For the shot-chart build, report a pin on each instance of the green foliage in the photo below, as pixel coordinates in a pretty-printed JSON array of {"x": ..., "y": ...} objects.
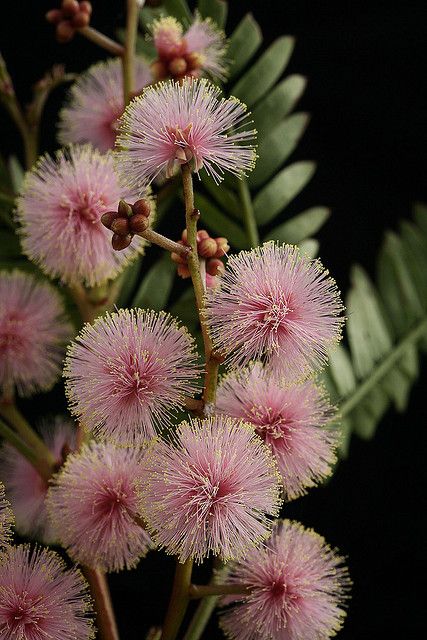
[
  {"x": 386, "y": 328},
  {"x": 156, "y": 285}
]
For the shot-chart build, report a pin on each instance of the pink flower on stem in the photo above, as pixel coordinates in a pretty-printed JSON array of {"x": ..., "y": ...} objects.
[
  {"x": 297, "y": 588},
  {"x": 171, "y": 124},
  {"x": 33, "y": 334},
  {"x": 95, "y": 104},
  {"x": 209, "y": 490},
  {"x": 199, "y": 50},
  {"x": 290, "y": 420},
  {"x": 275, "y": 304},
  {"x": 93, "y": 507},
  {"x": 40, "y": 599},
  {"x": 25, "y": 488},
  {"x": 6, "y": 519},
  {"x": 60, "y": 210},
  {"x": 129, "y": 372}
]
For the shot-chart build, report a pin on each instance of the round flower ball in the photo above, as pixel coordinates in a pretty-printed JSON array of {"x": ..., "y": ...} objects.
[
  {"x": 275, "y": 304},
  {"x": 92, "y": 505},
  {"x": 129, "y": 372},
  {"x": 60, "y": 209},
  {"x": 25, "y": 489},
  {"x": 173, "y": 123},
  {"x": 290, "y": 419},
  {"x": 296, "y": 588},
  {"x": 210, "y": 489},
  {"x": 6, "y": 519},
  {"x": 41, "y": 599},
  {"x": 95, "y": 104},
  {"x": 33, "y": 334}
]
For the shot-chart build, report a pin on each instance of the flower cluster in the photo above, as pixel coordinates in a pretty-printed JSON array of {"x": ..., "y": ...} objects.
[
  {"x": 71, "y": 16},
  {"x": 128, "y": 220},
  {"x": 210, "y": 250}
]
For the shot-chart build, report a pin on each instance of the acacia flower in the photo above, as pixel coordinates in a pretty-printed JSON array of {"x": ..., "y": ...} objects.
[
  {"x": 95, "y": 103},
  {"x": 275, "y": 304},
  {"x": 290, "y": 420},
  {"x": 41, "y": 599},
  {"x": 25, "y": 489},
  {"x": 209, "y": 490},
  {"x": 297, "y": 587},
  {"x": 33, "y": 334},
  {"x": 93, "y": 507},
  {"x": 6, "y": 519},
  {"x": 60, "y": 210},
  {"x": 171, "y": 124},
  {"x": 129, "y": 372},
  {"x": 199, "y": 50}
]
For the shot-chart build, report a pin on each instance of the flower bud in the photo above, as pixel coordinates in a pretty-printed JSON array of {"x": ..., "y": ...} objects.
[
  {"x": 178, "y": 258},
  {"x": 141, "y": 207},
  {"x": 80, "y": 20},
  {"x": 202, "y": 234},
  {"x": 207, "y": 248},
  {"x": 120, "y": 242},
  {"x": 70, "y": 8},
  {"x": 183, "y": 271},
  {"x": 124, "y": 209},
  {"x": 159, "y": 70},
  {"x": 86, "y": 7},
  {"x": 120, "y": 226},
  {"x": 54, "y": 16},
  {"x": 64, "y": 31},
  {"x": 138, "y": 223},
  {"x": 222, "y": 247},
  {"x": 177, "y": 67},
  {"x": 215, "y": 267},
  {"x": 108, "y": 217},
  {"x": 194, "y": 60}
]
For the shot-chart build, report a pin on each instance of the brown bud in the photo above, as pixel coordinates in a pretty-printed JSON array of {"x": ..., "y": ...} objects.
[
  {"x": 86, "y": 7},
  {"x": 124, "y": 209},
  {"x": 184, "y": 236},
  {"x": 64, "y": 31},
  {"x": 80, "y": 20},
  {"x": 138, "y": 223},
  {"x": 222, "y": 247},
  {"x": 120, "y": 242},
  {"x": 177, "y": 67},
  {"x": 183, "y": 271},
  {"x": 201, "y": 235},
  {"x": 108, "y": 217},
  {"x": 54, "y": 16},
  {"x": 141, "y": 208},
  {"x": 159, "y": 70},
  {"x": 178, "y": 258},
  {"x": 207, "y": 248},
  {"x": 215, "y": 267},
  {"x": 193, "y": 60},
  {"x": 70, "y": 8},
  {"x": 120, "y": 226}
]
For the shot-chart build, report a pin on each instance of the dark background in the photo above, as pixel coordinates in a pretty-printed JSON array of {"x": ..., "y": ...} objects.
[{"x": 366, "y": 67}]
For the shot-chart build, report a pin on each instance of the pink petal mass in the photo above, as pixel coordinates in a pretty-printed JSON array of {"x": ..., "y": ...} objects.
[
  {"x": 129, "y": 372},
  {"x": 297, "y": 584},
  {"x": 209, "y": 490}
]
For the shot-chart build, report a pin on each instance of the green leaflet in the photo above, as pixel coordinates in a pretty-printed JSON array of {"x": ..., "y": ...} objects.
[
  {"x": 215, "y": 9},
  {"x": 179, "y": 9},
  {"x": 219, "y": 222},
  {"x": 156, "y": 285},
  {"x": 185, "y": 309},
  {"x": 301, "y": 226},
  {"x": 310, "y": 247},
  {"x": 16, "y": 173},
  {"x": 242, "y": 45},
  {"x": 128, "y": 280},
  {"x": 225, "y": 197},
  {"x": 278, "y": 104}
]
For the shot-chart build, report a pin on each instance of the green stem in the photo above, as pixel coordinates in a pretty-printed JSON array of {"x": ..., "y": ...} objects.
[
  {"x": 248, "y": 213},
  {"x": 179, "y": 600},
  {"x": 105, "y": 620},
  {"x": 201, "y": 618},
  {"x": 398, "y": 352},
  {"x": 41, "y": 466},
  {"x": 129, "y": 50},
  {"x": 205, "y": 590},
  {"x": 102, "y": 41}
]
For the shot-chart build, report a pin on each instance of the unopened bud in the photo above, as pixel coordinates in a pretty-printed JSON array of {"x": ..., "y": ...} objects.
[
  {"x": 215, "y": 267},
  {"x": 184, "y": 236},
  {"x": 138, "y": 223},
  {"x": 178, "y": 258},
  {"x": 120, "y": 226},
  {"x": 201, "y": 235},
  {"x": 183, "y": 271},
  {"x": 80, "y": 20},
  {"x": 194, "y": 61},
  {"x": 120, "y": 242},
  {"x": 141, "y": 208},
  {"x": 54, "y": 16},
  {"x": 64, "y": 31},
  {"x": 124, "y": 209},
  {"x": 207, "y": 248},
  {"x": 70, "y": 8},
  {"x": 177, "y": 67},
  {"x": 86, "y": 7},
  {"x": 159, "y": 70},
  {"x": 108, "y": 217},
  {"x": 222, "y": 247}
]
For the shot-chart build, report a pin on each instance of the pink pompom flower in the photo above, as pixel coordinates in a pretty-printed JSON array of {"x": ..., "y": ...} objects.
[
  {"x": 275, "y": 304},
  {"x": 33, "y": 334},
  {"x": 199, "y": 50},
  {"x": 6, "y": 519},
  {"x": 95, "y": 104},
  {"x": 297, "y": 588},
  {"x": 129, "y": 372},
  {"x": 171, "y": 124},
  {"x": 290, "y": 419},
  {"x": 93, "y": 507},
  {"x": 41, "y": 599},
  {"x": 209, "y": 490},
  {"x": 60, "y": 210},
  {"x": 25, "y": 489}
]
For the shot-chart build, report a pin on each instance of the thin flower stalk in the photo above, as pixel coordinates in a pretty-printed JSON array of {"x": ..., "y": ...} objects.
[
  {"x": 102, "y": 41},
  {"x": 179, "y": 600},
  {"x": 100, "y": 592},
  {"x": 128, "y": 58}
]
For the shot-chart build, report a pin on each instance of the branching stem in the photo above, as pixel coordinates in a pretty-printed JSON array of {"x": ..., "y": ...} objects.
[
  {"x": 102, "y": 41},
  {"x": 179, "y": 600}
]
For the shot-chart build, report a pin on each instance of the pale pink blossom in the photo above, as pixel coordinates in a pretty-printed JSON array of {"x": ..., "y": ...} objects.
[
  {"x": 60, "y": 210},
  {"x": 25, "y": 489},
  {"x": 209, "y": 490},
  {"x": 33, "y": 334},
  {"x": 6, "y": 519},
  {"x": 297, "y": 586},
  {"x": 290, "y": 419},
  {"x": 95, "y": 103},
  {"x": 275, "y": 304},
  {"x": 129, "y": 372},
  {"x": 40, "y": 599},
  {"x": 93, "y": 507},
  {"x": 171, "y": 124}
]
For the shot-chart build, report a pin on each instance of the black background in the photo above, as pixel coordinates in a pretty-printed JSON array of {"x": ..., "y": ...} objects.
[{"x": 365, "y": 63}]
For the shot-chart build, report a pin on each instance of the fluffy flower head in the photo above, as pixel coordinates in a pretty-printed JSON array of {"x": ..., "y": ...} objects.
[
  {"x": 290, "y": 419},
  {"x": 128, "y": 372},
  {"x": 95, "y": 104},
  {"x": 275, "y": 304},
  {"x": 171, "y": 124},
  {"x": 93, "y": 505},
  {"x": 25, "y": 488},
  {"x": 297, "y": 584},
  {"x": 33, "y": 334},
  {"x": 40, "y": 599},
  {"x": 6, "y": 519},
  {"x": 60, "y": 209},
  {"x": 209, "y": 490}
]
